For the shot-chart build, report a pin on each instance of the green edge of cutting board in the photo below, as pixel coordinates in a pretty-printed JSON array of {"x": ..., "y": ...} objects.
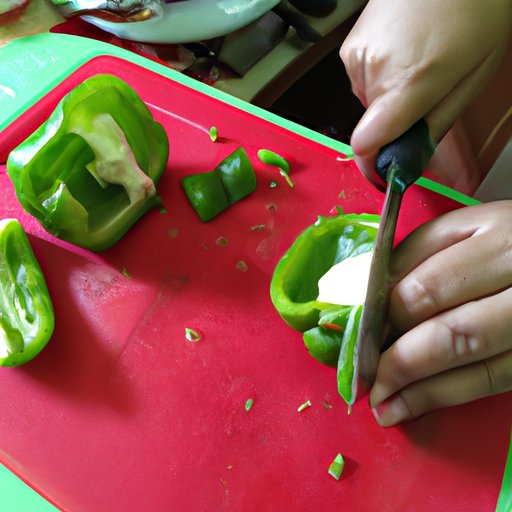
[{"x": 505, "y": 497}]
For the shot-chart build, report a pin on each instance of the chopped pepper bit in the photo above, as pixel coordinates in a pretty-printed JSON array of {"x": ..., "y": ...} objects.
[
  {"x": 125, "y": 273},
  {"x": 214, "y": 133},
  {"x": 336, "y": 467},
  {"x": 271, "y": 207},
  {"x": 248, "y": 404},
  {"x": 225, "y": 485},
  {"x": 327, "y": 405},
  {"x": 287, "y": 178},
  {"x": 258, "y": 227},
  {"x": 273, "y": 184},
  {"x": 192, "y": 335},
  {"x": 221, "y": 241},
  {"x": 331, "y": 326},
  {"x": 242, "y": 266},
  {"x": 270, "y": 158},
  {"x": 305, "y": 405}
]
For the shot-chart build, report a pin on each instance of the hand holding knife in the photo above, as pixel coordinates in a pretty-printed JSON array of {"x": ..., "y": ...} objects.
[{"x": 399, "y": 164}]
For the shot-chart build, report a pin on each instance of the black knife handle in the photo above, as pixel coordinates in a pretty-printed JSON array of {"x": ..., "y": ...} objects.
[{"x": 411, "y": 152}]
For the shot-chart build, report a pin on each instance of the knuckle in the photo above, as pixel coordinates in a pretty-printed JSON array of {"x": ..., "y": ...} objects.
[
  {"x": 345, "y": 52},
  {"x": 417, "y": 299},
  {"x": 404, "y": 369},
  {"x": 507, "y": 246},
  {"x": 462, "y": 346},
  {"x": 491, "y": 379},
  {"x": 498, "y": 374},
  {"x": 416, "y": 403},
  {"x": 349, "y": 55}
]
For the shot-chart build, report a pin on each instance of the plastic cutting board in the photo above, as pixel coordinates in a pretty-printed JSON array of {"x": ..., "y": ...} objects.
[{"x": 121, "y": 413}]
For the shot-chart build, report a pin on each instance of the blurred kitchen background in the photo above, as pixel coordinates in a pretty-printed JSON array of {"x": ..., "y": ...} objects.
[{"x": 281, "y": 55}]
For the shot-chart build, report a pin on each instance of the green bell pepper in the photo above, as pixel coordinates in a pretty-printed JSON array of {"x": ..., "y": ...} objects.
[
  {"x": 346, "y": 360},
  {"x": 26, "y": 311},
  {"x": 329, "y": 330},
  {"x": 505, "y": 498},
  {"x": 89, "y": 172},
  {"x": 210, "y": 193}
]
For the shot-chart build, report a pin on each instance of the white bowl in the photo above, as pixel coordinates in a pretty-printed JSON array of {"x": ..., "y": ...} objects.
[{"x": 189, "y": 21}]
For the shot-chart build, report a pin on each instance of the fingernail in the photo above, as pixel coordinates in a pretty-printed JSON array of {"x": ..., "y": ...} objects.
[
  {"x": 378, "y": 394},
  {"x": 391, "y": 412}
]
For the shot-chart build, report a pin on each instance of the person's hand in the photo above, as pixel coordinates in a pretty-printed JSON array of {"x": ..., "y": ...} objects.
[
  {"x": 409, "y": 59},
  {"x": 452, "y": 305}
]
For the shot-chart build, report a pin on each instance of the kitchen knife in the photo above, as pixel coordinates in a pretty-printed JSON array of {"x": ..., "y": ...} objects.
[{"x": 399, "y": 164}]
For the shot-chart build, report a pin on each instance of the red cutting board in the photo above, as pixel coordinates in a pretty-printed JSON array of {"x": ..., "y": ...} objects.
[{"x": 121, "y": 413}]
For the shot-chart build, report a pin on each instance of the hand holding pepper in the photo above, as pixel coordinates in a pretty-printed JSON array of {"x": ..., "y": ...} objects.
[{"x": 452, "y": 306}]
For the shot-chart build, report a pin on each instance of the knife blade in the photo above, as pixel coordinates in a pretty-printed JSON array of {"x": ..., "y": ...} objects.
[{"x": 399, "y": 164}]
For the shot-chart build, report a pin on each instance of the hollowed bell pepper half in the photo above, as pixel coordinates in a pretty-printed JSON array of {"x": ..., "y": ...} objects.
[
  {"x": 26, "y": 311},
  {"x": 90, "y": 171},
  {"x": 210, "y": 193},
  {"x": 329, "y": 330}
]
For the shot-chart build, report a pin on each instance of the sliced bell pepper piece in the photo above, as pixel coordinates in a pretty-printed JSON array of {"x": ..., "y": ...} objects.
[
  {"x": 206, "y": 194},
  {"x": 90, "y": 171},
  {"x": 26, "y": 311},
  {"x": 346, "y": 361},
  {"x": 323, "y": 344},
  {"x": 324, "y": 341},
  {"x": 210, "y": 193},
  {"x": 330, "y": 330}
]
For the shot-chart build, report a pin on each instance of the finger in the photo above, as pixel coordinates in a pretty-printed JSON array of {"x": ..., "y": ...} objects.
[
  {"x": 367, "y": 166},
  {"x": 447, "y": 230},
  {"x": 419, "y": 88},
  {"x": 397, "y": 110},
  {"x": 352, "y": 59},
  {"x": 453, "y": 387},
  {"x": 469, "y": 333},
  {"x": 388, "y": 117},
  {"x": 473, "y": 268}
]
